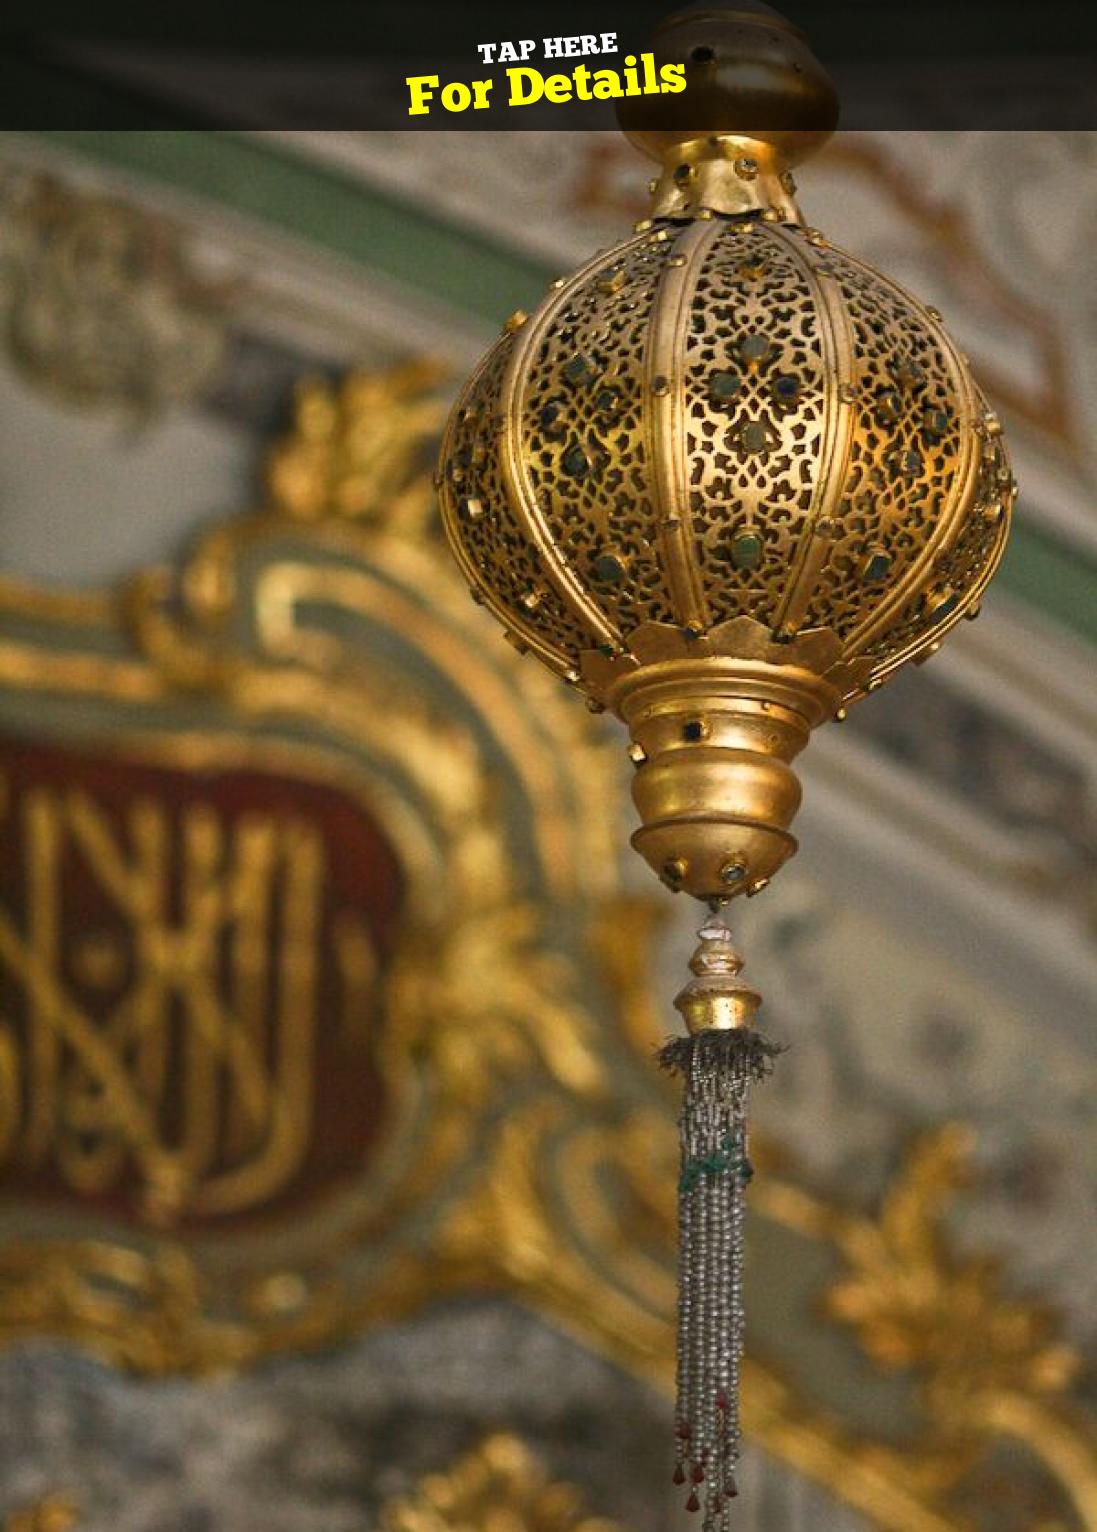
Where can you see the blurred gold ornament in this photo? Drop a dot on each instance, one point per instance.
(500, 1486)
(56, 1514)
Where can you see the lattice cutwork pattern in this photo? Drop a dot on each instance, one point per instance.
(583, 436)
(480, 516)
(961, 570)
(755, 399)
(763, 435)
(905, 452)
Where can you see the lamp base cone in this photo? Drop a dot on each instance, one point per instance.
(713, 739)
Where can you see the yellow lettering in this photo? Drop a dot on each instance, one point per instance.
(606, 84)
(535, 88)
(558, 88)
(422, 87)
(673, 77)
(481, 89)
(456, 97)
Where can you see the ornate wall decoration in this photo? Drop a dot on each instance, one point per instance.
(500, 1130)
(498, 1481)
(103, 304)
(188, 933)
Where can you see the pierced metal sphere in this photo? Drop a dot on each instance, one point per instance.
(719, 419)
(725, 479)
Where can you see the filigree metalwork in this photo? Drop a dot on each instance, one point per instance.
(726, 419)
(498, 1483)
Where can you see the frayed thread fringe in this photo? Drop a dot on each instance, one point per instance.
(737, 1050)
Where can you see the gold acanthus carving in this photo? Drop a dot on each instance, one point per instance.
(498, 1484)
(353, 450)
(988, 1365)
(571, 1140)
(57, 1513)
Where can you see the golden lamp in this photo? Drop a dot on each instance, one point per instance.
(725, 479)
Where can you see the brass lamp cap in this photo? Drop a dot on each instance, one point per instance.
(748, 72)
(716, 999)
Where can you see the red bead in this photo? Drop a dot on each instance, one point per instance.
(679, 1474)
(721, 1400)
(697, 1474)
(693, 1504)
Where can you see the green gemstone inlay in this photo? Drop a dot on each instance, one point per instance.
(608, 567)
(754, 348)
(550, 416)
(746, 551)
(908, 373)
(725, 385)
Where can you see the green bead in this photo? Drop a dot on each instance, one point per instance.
(610, 568)
(746, 551)
(725, 385)
(754, 348)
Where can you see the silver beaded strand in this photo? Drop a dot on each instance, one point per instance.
(718, 1061)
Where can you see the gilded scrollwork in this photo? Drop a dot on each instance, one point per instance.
(500, 1482)
(988, 1365)
(355, 449)
(104, 305)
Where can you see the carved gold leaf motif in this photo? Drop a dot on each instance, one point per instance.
(104, 306)
(500, 1484)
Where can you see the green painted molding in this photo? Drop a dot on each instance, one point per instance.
(343, 215)
(468, 272)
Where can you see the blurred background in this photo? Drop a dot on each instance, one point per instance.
(336, 1185)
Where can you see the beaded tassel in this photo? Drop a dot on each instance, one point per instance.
(718, 1062)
